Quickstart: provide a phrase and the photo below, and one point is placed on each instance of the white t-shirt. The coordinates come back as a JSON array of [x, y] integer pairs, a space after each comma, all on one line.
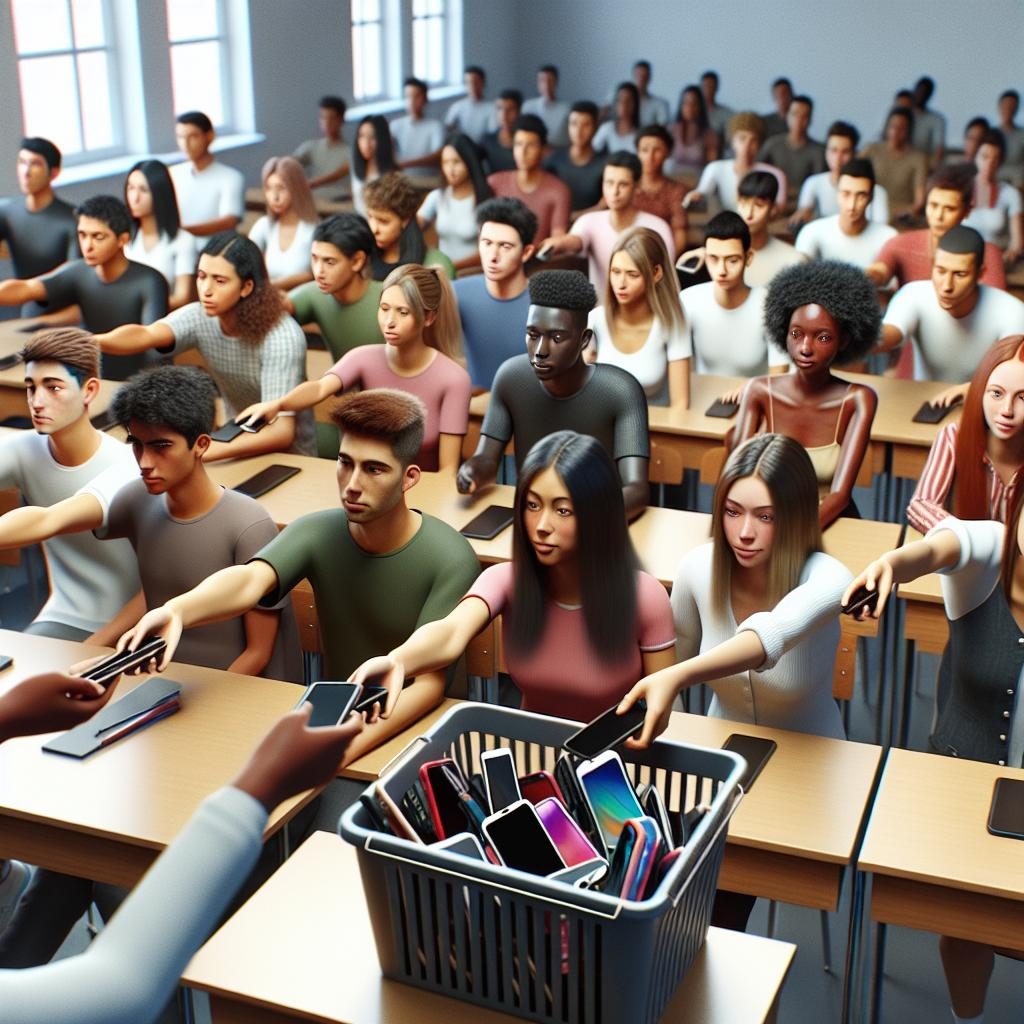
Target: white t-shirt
[[823, 239], [649, 364], [216, 191], [776, 255], [554, 114], [993, 222], [718, 180], [599, 238], [729, 342], [456, 222], [608, 140], [322, 156], [818, 193], [414, 139], [171, 257], [266, 233], [91, 580], [946, 348], [474, 118]]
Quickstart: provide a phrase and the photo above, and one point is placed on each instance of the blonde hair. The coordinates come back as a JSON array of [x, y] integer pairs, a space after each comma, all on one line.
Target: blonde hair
[[785, 468], [290, 171], [646, 249], [427, 290]]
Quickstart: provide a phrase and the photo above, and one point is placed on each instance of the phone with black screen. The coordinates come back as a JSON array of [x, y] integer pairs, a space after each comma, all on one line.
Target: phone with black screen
[[370, 695], [520, 840], [106, 671], [861, 598], [606, 731], [489, 523], [929, 413], [266, 480], [1006, 816], [332, 702], [722, 410], [228, 432], [755, 750], [10, 360]]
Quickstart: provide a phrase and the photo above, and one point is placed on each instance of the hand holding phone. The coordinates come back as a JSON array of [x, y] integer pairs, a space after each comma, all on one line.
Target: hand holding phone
[[606, 731], [876, 579], [332, 703], [108, 669], [861, 598]]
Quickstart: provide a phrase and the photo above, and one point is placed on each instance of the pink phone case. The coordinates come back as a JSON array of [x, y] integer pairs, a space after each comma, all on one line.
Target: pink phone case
[[643, 858]]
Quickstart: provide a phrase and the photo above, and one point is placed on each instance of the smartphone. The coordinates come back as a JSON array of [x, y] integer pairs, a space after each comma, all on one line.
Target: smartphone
[[104, 420], [539, 786], [521, 841], [375, 811], [255, 426], [722, 410], [643, 858], [500, 778], [465, 844], [571, 840], [489, 523], [414, 807], [396, 819], [667, 860], [228, 432], [442, 789], [606, 731], [929, 413], [11, 360], [266, 480], [332, 702], [690, 266], [370, 695], [654, 807], [1006, 818], [106, 671], [862, 598], [6, 661], [755, 750], [619, 862], [609, 794], [544, 254], [573, 798]]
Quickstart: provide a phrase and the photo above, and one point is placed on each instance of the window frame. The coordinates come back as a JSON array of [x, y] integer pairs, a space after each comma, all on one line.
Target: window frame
[[226, 58]]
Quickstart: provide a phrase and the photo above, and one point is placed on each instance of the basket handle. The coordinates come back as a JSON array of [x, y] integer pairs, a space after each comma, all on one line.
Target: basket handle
[[709, 844]]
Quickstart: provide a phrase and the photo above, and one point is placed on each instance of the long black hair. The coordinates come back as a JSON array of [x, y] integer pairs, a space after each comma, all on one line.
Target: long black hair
[[165, 202], [469, 152], [607, 562], [385, 155]]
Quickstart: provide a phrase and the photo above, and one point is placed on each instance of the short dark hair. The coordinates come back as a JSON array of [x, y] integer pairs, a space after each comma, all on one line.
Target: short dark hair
[[562, 289], [347, 232], [963, 241], [108, 209], [417, 83], [512, 94], [335, 103], [551, 69], [759, 185], [197, 119], [513, 212], [655, 131], [76, 350], [533, 124], [803, 98], [904, 94], [844, 130], [858, 167], [728, 225], [994, 137], [44, 148], [977, 122], [585, 107], [782, 81], [179, 397], [953, 178], [623, 158], [713, 75], [841, 288], [475, 69], [926, 85], [1010, 94], [383, 414], [645, 64], [905, 112]]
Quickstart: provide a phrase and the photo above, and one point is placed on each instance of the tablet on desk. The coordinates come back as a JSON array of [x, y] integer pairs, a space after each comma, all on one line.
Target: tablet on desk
[[722, 410], [929, 413]]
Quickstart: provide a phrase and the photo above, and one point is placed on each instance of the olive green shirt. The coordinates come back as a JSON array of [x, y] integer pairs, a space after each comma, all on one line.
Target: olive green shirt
[[343, 327]]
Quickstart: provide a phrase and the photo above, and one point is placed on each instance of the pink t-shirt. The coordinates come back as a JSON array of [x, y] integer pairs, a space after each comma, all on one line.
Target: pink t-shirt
[[443, 387], [909, 257], [563, 675], [550, 201], [599, 238]]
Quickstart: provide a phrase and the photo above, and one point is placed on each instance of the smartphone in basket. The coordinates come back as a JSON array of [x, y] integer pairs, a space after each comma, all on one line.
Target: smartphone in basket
[[1006, 817], [606, 731], [106, 671], [539, 786], [654, 807], [609, 794], [755, 750], [573, 798], [500, 778], [571, 840], [332, 702], [443, 785], [397, 821], [643, 859], [489, 523], [266, 480], [465, 844], [520, 840]]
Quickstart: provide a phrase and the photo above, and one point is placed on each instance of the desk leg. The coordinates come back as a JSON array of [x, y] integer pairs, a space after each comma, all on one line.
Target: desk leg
[[908, 693], [853, 939], [878, 974]]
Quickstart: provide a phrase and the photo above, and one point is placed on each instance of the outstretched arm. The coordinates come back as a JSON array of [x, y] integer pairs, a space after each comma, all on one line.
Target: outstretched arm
[[481, 468], [16, 293], [33, 524], [130, 339]]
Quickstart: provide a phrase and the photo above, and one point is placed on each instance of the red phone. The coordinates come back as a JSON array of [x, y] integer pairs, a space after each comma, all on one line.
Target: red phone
[[539, 786], [443, 799]]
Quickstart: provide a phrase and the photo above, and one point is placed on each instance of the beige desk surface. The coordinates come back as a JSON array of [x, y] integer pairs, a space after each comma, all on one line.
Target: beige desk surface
[[302, 949], [898, 401], [108, 816]]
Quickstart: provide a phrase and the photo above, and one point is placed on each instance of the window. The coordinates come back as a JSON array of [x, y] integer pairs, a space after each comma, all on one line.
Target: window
[[196, 36], [367, 55], [63, 49], [428, 41]]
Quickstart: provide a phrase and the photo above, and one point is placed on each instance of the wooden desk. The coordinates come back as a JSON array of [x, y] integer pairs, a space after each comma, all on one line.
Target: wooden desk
[[302, 949], [108, 817]]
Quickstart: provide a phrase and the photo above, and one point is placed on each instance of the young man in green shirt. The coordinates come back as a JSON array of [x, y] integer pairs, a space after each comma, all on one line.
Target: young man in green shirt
[[378, 569], [342, 299]]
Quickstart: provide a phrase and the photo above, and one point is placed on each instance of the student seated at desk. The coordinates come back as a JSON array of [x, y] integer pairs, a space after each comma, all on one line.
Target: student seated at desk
[[211, 195], [378, 569], [899, 168], [420, 324], [372, 157], [695, 142], [285, 233], [997, 209], [821, 314], [581, 621], [131, 970], [327, 160], [757, 197], [579, 165], [254, 350], [618, 133]]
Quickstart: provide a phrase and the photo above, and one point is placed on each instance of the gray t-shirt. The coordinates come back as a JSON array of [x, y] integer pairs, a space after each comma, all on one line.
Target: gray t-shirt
[[611, 406], [175, 555], [39, 241], [584, 180]]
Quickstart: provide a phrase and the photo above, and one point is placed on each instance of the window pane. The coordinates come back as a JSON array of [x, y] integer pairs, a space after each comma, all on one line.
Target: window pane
[[196, 79], [428, 49], [365, 10], [41, 80], [94, 93], [88, 19], [191, 19], [366, 76], [41, 26]]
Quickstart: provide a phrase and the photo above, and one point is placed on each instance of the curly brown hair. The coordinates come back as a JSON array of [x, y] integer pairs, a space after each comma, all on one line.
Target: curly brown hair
[[261, 309], [395, 192]]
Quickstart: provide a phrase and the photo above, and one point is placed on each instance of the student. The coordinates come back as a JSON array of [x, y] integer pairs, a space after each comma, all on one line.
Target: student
[[131, 970], [471, 115], [953, 318], [542, 192], [929, 126], [727, 307], [899, 168], [580, 620], [595, 233], [551, 110], [640, 327], [757, 198], [108, 288], [776, 123], [973, 465], [653, 109], [453, 206], [254, 350], [378, 569], [603, 401], [619, 131], [285, 232], [973, 134], [497, 144], [720, 179], [794, 152], [1009, 104], [821, 315], [328, 159], [493, 306], [211, 195], [580, 166], [419, 320], [818, 194], [90, 582], [718, 115], [850, 235], [40, 230], [417, 139], [342, 298], [373, 156], [158, 240], [997, 212], [391, 203], [655, 193], [695, 142]]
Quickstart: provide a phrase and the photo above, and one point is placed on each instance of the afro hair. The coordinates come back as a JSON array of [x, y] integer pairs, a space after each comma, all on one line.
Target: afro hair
[[840, 288], [563, 289]]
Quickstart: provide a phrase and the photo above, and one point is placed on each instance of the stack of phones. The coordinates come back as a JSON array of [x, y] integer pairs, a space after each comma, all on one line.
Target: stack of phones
[[107, 670]]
